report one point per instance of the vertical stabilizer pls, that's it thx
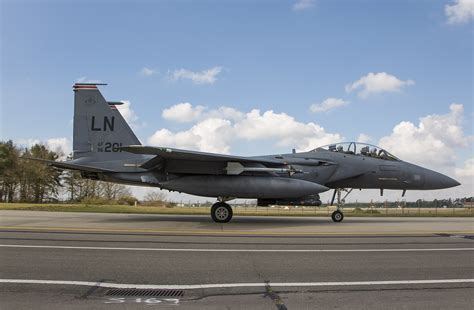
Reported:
(99, 128)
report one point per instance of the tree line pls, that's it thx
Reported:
(24, 180)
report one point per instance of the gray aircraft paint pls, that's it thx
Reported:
(99, 132)
(106, 148)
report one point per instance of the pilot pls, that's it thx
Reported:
(364, 150)
(373, 152)
(340, 149)
(382, 154)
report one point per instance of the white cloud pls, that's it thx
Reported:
(216, 134)
(84, 79)
(210, 135)
(147, 71)
(433, 142)
(185, 112)
(226, 113)
(303, 5)
(128, 114)
(460, 12)
(182, 112)
(363, 138)
(374, 83)
(437, 143)
(467, 170)
(208, 76)
(328, 104)
(284, 129)
(61, 145)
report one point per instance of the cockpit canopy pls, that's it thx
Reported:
(357, 148)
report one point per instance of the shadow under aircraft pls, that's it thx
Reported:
(105, 148)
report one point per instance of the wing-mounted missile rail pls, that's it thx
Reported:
(236, 168)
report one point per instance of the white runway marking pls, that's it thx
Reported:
(233, 285)
(229, 250)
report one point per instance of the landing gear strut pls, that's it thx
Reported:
(337, 216)
(221, 212)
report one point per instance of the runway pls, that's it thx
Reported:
(77, 260)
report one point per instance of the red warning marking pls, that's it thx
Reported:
(85, 87)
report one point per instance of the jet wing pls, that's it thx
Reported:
(66, 165)
(170, 153)
(192, 162)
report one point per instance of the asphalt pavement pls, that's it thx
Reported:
(52, 260)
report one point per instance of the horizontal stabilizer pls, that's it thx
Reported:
(66, 165)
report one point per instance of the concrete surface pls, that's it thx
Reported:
(253, 263)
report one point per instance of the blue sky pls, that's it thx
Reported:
(269, 55)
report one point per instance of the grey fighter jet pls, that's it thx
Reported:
(105, 148)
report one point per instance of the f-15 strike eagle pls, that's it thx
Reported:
(105, 148)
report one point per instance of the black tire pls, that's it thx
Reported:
(337, 216)
(221, 212)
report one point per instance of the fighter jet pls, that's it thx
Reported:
(105, 148)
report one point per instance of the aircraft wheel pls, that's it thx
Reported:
(337, 216)
(221, 212)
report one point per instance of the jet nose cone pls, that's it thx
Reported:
(449, 182)
(435, 180)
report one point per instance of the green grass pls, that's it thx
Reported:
(100, 208)
(261, 211)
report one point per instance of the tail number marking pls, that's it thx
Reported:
(109, 147)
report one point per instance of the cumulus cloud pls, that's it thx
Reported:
(182, 112)
(61, 145)
(210, 135)
(363, 138)
(301, 5)
(128, 114)
(215, 133)
(467, 170)
(433, 142)
(374, 83)
(226, 113)
(208, 76)
(459, 12)
(147, 71)
(284, 129)
(328, 104)
(185, 112)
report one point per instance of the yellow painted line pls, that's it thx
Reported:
(232, 232)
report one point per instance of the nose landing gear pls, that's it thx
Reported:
(337, 216)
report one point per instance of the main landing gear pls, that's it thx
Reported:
(221, 212)
(337, 216)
